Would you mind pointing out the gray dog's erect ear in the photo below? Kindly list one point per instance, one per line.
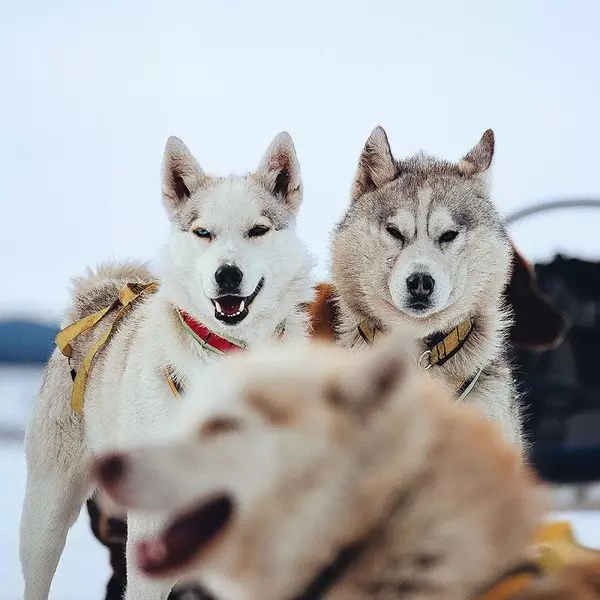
(181, 174)
(279, 171)
(479, 159)
(376, 165)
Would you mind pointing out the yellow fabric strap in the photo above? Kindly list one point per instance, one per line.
(557, 547)
(172, 384)
(367, 331)
(127, 295)
(437, 353)
(507, 587)
(68, 334)
(451, 343)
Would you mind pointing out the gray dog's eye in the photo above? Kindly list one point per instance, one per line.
(447, 237)
(395, 233)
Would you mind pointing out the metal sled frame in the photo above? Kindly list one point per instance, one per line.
(573, 496)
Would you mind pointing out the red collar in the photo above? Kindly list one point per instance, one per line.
(207, 338)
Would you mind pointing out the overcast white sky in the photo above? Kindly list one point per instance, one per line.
(89, 95)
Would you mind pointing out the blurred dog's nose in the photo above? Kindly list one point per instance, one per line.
(110, 468)
(228, 278)
(420, 285)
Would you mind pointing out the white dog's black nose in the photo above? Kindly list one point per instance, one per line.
(228, 278)
(420, 285)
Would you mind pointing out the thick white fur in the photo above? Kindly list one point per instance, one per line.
(127, 395)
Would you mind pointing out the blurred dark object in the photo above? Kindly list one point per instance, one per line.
(113, 534)
(26, 342)
(537, 324)
(562, 384)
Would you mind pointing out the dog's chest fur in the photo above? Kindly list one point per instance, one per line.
(128, 394)
(494, 390)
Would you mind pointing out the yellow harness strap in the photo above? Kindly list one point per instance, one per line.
(128, 294)
(437, 354)
(172, 385)
(507, 587)
(367, 332)
(557, 547)
(451, 343)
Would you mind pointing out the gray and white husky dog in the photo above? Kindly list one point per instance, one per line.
(422, 247)
(234, 272)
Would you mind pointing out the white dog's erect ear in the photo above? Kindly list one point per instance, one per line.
(377, 373)
(181, 174)
(279, 171)
(479, 159)
(376, 165)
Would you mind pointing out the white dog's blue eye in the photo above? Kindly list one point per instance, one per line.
(448, 236)
(202, 233)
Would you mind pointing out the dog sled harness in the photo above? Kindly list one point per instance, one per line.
(443, 347)
(127, 296)
(554, 549)
(209, 340)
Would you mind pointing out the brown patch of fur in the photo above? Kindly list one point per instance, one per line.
(322, 313)
(334, 395)
(271, 411)
(219, 425)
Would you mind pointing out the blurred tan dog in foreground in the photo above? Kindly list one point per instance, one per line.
(311, 472)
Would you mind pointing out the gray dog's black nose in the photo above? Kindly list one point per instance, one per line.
(228, 278)
(420, 285)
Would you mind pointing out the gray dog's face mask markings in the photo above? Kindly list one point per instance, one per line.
(424, 247)
(421, 237)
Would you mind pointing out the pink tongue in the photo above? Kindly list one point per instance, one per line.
(230, 304)
(150, 553)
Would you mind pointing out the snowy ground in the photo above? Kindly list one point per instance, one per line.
(83, 570)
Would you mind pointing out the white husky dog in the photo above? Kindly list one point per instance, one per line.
(235, 275)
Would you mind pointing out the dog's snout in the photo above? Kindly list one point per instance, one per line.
(110, 469)
(420, 284)
(228, 278)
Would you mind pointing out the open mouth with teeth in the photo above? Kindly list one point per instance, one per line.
(234, 309)
(186, 537)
